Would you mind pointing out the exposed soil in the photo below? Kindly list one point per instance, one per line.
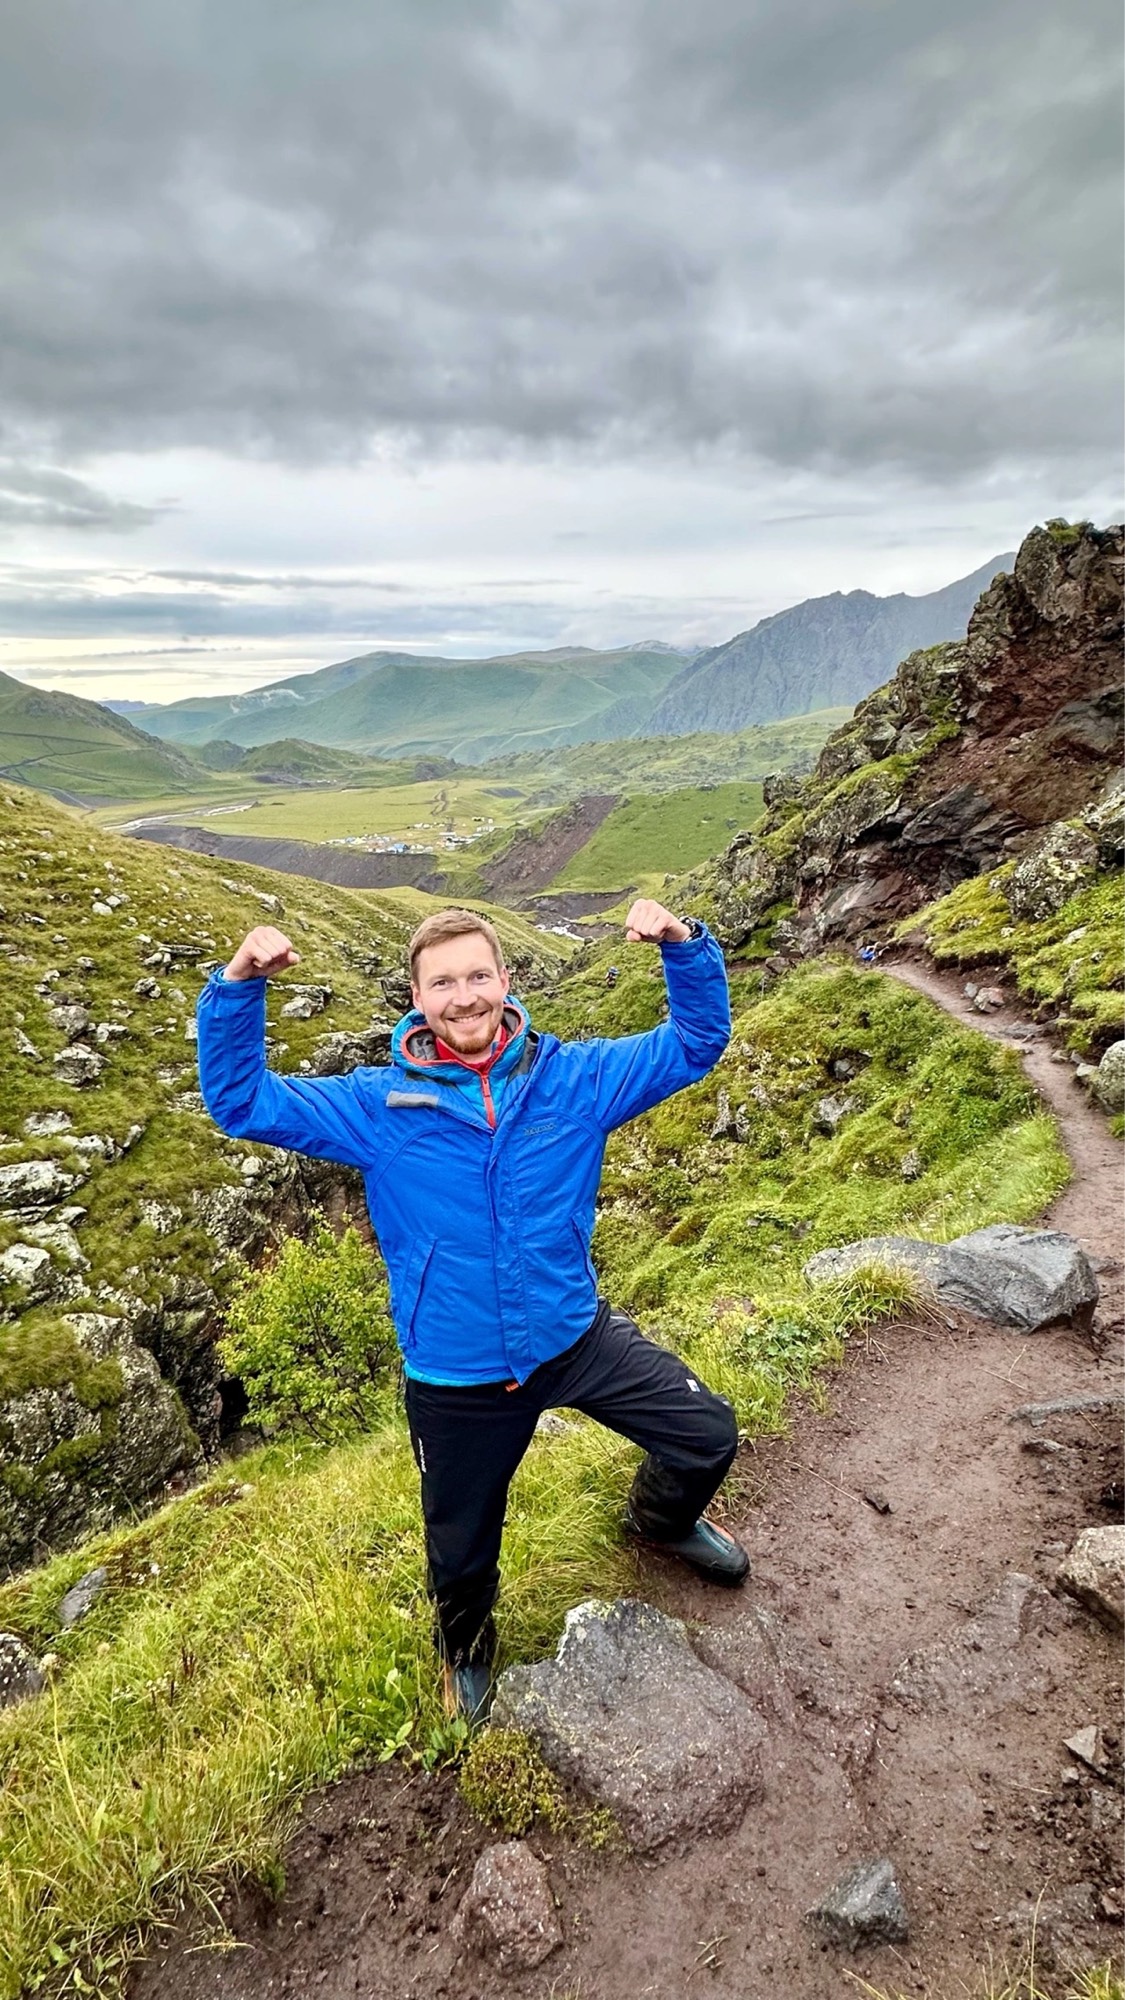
(537, 853)
(345, 867)
(927, 1679)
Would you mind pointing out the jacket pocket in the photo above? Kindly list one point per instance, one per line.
(406, 1290)
(584, 1253)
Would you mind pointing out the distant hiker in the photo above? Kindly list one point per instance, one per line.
(867, 954)
(612, 975)
(481, 1148)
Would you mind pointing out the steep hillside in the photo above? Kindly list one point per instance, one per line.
(825, 653)
(997, 757)
(414, 705)
(60, 743)
(653, 835)
(121, 1205)
(666, 763)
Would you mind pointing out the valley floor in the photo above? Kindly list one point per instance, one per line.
(926, 1678)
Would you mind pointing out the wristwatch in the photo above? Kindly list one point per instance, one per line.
(695, 928)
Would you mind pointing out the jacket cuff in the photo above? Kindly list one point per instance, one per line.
(217, 984)
(685, 944)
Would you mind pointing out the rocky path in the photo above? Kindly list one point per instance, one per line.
(916, 1673)
(1090, 1208)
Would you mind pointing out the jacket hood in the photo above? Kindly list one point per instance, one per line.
(414, 1040)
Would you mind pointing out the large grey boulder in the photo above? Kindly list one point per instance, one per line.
(508, 1911)
(1025, 1278)
(864, 1907)
(1109, 1078)
(134, 1443)
(630, 1714)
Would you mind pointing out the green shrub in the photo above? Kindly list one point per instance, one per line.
(311, 1339)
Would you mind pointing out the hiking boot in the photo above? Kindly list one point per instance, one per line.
(708, 1550)
(467, 1691)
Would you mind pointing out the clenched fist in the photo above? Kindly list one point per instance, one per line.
(649, 922)
(262, 952)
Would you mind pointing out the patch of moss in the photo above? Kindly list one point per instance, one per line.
(1071, 964)
(504, 1780)
(41, 1351)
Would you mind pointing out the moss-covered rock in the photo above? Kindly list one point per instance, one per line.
(1051, 872)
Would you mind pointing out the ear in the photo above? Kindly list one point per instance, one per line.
(505, 979)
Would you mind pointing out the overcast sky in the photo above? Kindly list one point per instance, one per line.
(468, 326)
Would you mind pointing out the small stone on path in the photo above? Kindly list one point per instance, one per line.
(1065, 1406)
(1094, 1572)
(864, 1907)
(508, 1910)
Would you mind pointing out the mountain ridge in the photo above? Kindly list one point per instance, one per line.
(826, 652)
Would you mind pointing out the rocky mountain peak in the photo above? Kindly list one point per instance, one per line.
(959, 762)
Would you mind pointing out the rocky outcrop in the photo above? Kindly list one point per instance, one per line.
(1008, 1275)
(629, 1713)
(970, 752)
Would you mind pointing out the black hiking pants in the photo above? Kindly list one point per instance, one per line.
(469, 1441)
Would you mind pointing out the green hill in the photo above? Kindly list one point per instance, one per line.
(664, 763)
(59, 743)
(663, 833)
(410, 705)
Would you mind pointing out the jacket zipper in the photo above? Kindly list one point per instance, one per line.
(489, 1107)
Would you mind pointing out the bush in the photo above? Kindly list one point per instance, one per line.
(310, 1337)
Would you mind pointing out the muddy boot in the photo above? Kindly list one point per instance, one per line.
(708, 1550)
(467, 1692)
(467, 1678)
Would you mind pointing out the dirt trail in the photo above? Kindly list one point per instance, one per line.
(1090, 1208)
(925, 1677)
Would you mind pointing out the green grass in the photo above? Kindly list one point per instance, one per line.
(53, 865)
(667, 832)
(667, 763)
(419, 813)
(1072, 964)
(267, 1631)
(58, 742)
(1022, 1982)
(256, 1638)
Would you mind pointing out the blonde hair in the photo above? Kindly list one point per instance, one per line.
(445, 924)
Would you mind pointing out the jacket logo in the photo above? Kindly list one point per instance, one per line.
(531, 1131)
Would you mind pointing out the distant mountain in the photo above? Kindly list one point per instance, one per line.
(828, 652)
(403, 704)
(79, 750)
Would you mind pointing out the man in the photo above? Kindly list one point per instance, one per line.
(481, 1148)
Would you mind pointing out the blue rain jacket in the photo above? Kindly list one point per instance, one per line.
(485, 1230)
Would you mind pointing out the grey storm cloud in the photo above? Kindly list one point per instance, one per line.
(36, 496)
(842, 234)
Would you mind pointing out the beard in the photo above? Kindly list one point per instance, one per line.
(471, 1035)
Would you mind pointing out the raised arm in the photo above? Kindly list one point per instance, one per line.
(638, 1071)
(318, 1115)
